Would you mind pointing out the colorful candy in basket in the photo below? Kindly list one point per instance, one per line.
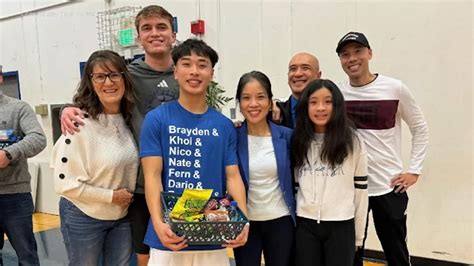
(203, 220)
(190, 206)
(195, 205)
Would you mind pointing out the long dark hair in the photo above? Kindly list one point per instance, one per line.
(86, 98)
(339, 134)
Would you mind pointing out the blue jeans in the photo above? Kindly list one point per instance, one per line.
(87, 238)
(16, 212)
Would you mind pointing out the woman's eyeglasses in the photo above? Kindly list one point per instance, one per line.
(101, 77)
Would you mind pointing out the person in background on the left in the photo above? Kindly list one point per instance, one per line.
(21, 137)
(95, 170)
(264, 163)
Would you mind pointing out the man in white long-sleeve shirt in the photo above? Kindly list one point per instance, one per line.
(377, 104)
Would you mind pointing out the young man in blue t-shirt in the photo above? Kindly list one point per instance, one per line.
(186, 144)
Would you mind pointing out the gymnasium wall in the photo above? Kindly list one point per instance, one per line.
(427, 44)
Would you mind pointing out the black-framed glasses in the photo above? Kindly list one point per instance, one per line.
(101, 77)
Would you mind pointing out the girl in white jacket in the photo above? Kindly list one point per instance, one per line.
(331, 174)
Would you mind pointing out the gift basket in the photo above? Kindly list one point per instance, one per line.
(201, 219)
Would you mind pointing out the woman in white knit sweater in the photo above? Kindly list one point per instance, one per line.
(331, 170)
(95, 170)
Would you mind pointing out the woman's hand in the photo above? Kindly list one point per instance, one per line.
(122, 197)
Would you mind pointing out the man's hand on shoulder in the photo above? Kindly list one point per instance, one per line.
(276, 112)
(71, 119)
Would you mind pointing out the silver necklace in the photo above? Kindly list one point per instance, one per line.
(116, 125)
(116, 122)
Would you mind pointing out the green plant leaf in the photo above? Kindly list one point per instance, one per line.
(214, 97)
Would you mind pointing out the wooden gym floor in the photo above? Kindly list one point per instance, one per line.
(51, 249)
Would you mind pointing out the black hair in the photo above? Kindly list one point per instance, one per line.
(257, 76)
(196, 46)
(86, 98)
(339, 134)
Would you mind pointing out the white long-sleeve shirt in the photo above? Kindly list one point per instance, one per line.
(339, 194)
(91, 164)
(377, 110)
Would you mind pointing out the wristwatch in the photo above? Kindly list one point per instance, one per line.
(8, 155)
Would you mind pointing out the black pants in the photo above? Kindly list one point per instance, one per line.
(275, 238)
(139, 216)
(390, 221)
(330, 243)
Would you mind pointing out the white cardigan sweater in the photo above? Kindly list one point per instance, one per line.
(91, 164)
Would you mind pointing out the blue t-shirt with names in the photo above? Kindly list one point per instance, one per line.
(196, 148)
